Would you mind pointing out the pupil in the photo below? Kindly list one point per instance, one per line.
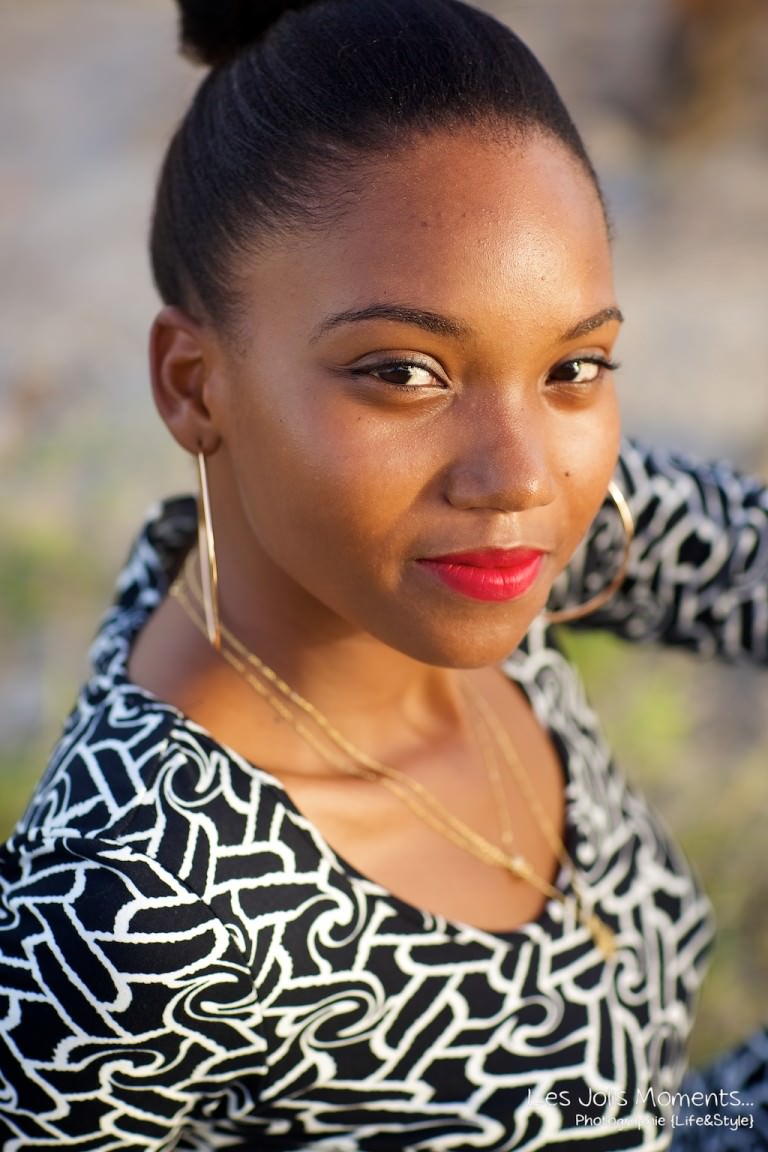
(397, 375)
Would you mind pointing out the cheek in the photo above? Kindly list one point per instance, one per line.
(323, 475)
(586, 462)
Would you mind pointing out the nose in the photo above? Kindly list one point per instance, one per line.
(502, 460)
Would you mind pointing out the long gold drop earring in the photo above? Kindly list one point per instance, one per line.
(209, 574)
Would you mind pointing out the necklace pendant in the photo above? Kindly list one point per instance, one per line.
(604, 937)
(518, 866)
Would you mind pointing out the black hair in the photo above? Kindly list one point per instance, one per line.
(301, 92)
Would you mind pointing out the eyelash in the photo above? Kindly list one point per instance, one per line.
(602, 363)
(394, 365)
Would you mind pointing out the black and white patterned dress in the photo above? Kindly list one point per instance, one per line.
(186, 963)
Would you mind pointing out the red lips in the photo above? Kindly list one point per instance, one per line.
(488, 574)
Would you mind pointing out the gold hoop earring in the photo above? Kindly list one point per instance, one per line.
(565, 615)
(209, 573)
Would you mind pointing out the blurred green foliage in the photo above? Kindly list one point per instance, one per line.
(20, 767)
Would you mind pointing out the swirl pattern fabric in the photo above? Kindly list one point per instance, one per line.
(186, 963)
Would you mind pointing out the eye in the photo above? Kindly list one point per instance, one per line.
(408, 375)
(582, 370)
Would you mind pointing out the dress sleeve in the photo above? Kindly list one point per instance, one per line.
(123, 1000)
(698, 569)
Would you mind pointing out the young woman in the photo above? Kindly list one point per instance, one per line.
(331, 854)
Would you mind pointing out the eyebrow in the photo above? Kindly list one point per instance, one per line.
(592, 323)
(400, 314)
(442, 325)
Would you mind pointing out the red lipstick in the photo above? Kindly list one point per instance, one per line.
(488, 573)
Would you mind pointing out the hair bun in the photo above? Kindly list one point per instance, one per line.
(215, 31)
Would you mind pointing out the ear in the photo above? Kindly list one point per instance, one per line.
(182, 364)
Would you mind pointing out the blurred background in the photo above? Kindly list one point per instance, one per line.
(672, 98)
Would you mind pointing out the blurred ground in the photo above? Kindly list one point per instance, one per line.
(676, 119)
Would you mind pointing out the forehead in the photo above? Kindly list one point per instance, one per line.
(459, 223)
(449, 174)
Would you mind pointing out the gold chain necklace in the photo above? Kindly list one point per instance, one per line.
(337, 751)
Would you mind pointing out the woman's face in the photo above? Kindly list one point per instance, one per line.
(419, 423)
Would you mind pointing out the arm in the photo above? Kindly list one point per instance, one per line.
(122, 1000)
(698, 573)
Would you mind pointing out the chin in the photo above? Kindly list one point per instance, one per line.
(466, 646)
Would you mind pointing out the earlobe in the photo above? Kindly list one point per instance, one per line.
(181, 366)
